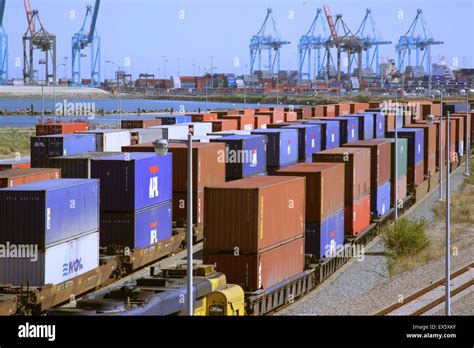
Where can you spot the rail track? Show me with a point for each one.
(430, 297)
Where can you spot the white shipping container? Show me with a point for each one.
(110, 140)
(200, 128)
(145, 135)
(55, 265)
(174, 131)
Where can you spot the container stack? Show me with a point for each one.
(209, 168)
(429, 156)
(59, 219)
(349, 129)
(109, 140)
(254, 230)
(357, 185)
(415, 170)
(402, 167)
(380, 161)
(324, 227)
(330, 133)
(282, 147)
(309, 140)
(366, 126)
(135, 198)
(379, 123)
(77, 166)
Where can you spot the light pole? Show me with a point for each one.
(42, 62)
(448, 221)
(396, 163)
(161, 148)
(440, 135)
(54, 90)
(468, 141)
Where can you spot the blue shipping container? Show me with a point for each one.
(380, 200)
(309, 140)
(139, 229)
(366, 126)
(330, 134)
(415, 143)
(245, 155)
(379, 123)
(168, 120)
(133, 181)
(50, 211)
(324, 238)
(349, 128)
(45, 147)
(282, 146)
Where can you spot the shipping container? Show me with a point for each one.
(253, 214)
(401, 156)
(366, 126)
(145, 123)
(174, 119)
(180, 212)
(330, 134)
(254, 272)
(357, 170)
(15, 177)
(53, 265)
(244, 122)
(380, 160)
(380, 200)
(342, 109)
(358, 107)
(207, 168)
(245, 155)
(49, 211)
(174, 131)
(261, 121)
(415, 175)
(138, 229)
(199, 128)
(145, 135)
(200, 117)
(430, 139)
(61, 128)
(348, 128)
(15, 163)
(309, 140)
(77, 166)
(415, 137)
(45, 147)
(324, 187)
(460, 134)
(401, 189)
(379, 123)
(275, 116)
(324, 238)
(133, 181)
(223, 125)
(110, 140)
(282, 146)
(290, 116)
(357, 216)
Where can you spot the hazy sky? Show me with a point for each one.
(138, 33)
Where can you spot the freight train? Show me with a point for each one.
(283, 197)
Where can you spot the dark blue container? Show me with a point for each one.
(415, 143)
(174, 119)
(50, 211)
(133, 181)
(366, 126)
(379, 123)
(309, 140)
(330, 134)
(349, 128)
(245, 155)
(45, 147)
(282, 146)
(139, 229)
(324, 238)
(380, 200)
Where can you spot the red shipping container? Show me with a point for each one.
(358, 107)
(430, 139)
(357, 216)
(329, 110)
(61, 128)
(275, 117)
(324, 187)
(208, 168)
(381, 157)
(260, 271)
(342, 109)
(130, 124)
(374, 105)
(223, 125)
(195, 117)
(318, 111)
(253, 214)
(243, 122)
(12, 163)
(180, 207)
(16, 177)
(401, 188)
(415, 175)
(357, 170)
(261, 121)
(290, 116)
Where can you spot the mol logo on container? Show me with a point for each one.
(72, 267)
(153, 187)
(153, 232)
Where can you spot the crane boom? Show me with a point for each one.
(93, 21)
(29, 16)
(2, 11)
(327, 12)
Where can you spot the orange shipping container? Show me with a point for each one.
(195, 117)
(358, 107)
(290, 116)
(261, 121)
(223, 125)
(243, 122)
(131, 124)
(357, 216)
(180, 206)
(342, 109)
(401, 188)
(61, 128)
(16, 177)
(13, 163)
(275, 117)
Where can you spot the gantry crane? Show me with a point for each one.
(309, 42)
(371, 39)
(271, 42)
(347, 42)
(421, 42)
(80, 41)
(40, 40)
(3, 47)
